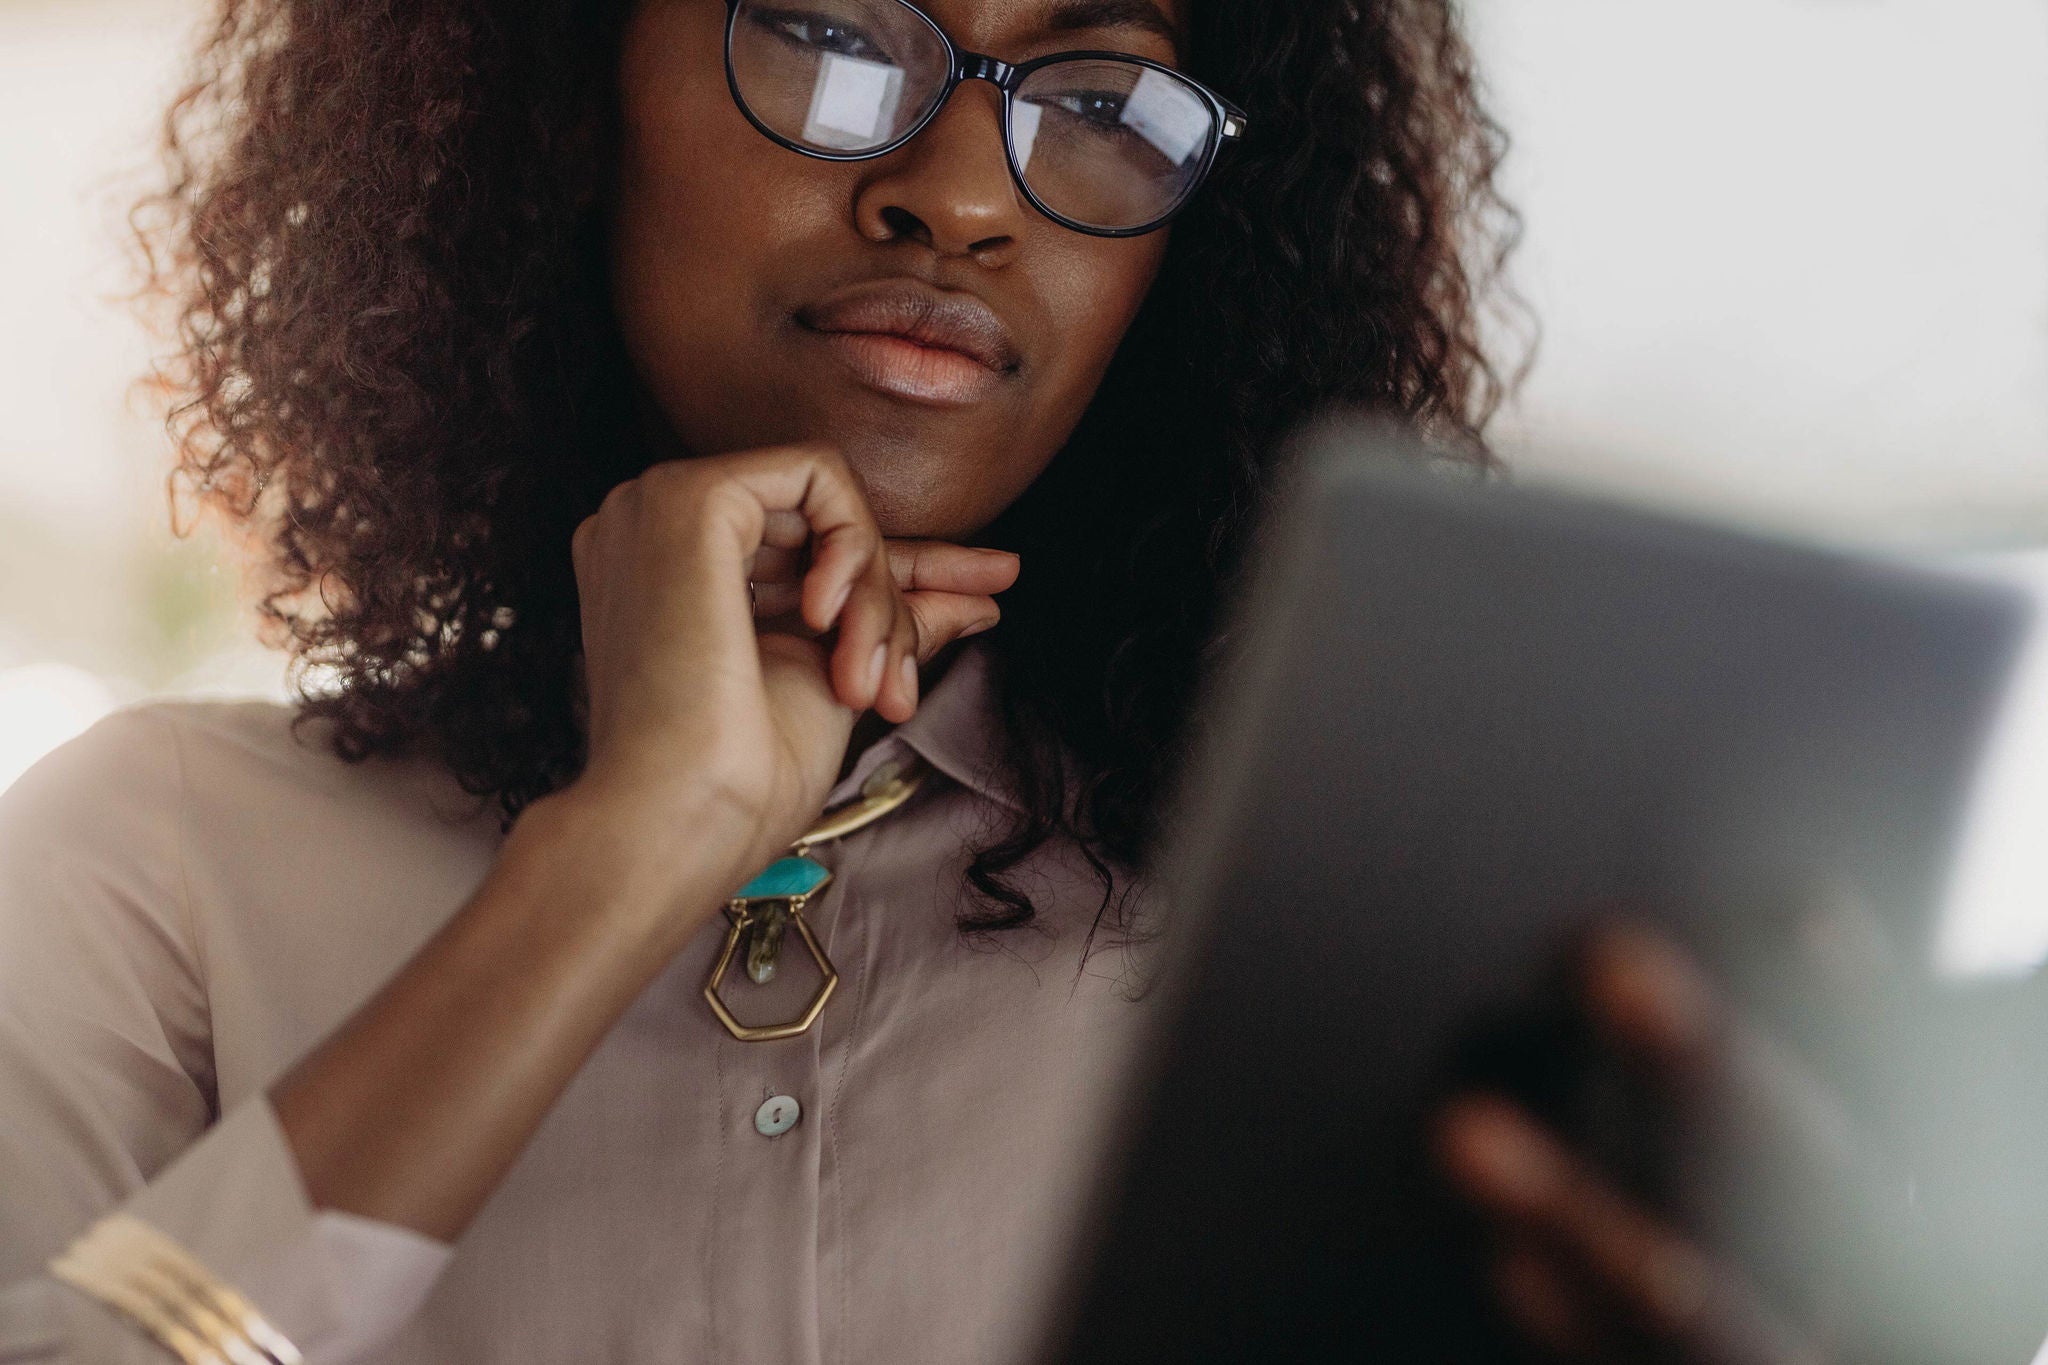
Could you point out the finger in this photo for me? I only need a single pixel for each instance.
(941, 566)
(815, 485)
(941, 618)
(897, 700)
(847, 585)
(1523, 1175)
(1651, 999)
(1666, 1286)
(861, 658)
(758, 492)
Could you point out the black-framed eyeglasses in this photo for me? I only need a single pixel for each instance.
(1102, 142)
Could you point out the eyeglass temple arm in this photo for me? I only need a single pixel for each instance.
(1234, 118)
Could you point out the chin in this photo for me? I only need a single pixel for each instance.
(915, 492)
(911, 514)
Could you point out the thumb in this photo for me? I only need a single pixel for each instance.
(943, 617)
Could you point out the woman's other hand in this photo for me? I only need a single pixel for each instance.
(689, 701)
(1590, 1273)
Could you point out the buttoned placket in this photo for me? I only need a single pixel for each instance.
(776, 1202)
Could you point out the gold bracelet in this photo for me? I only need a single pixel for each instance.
(155, 1283)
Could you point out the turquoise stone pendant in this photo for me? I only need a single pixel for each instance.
(785, 879)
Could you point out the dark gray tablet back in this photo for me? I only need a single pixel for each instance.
(1459, 717)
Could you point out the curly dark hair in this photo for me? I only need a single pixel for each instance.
(381, 241)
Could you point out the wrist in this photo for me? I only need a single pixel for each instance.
(657, 869)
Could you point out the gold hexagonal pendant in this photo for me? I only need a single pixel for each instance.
(758, 923)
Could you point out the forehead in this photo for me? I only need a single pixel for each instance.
(993, 25)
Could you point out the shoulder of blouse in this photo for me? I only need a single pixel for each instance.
(108, 1096)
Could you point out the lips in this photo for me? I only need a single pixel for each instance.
(912, 341)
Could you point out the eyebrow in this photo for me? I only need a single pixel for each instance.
(1069, 15)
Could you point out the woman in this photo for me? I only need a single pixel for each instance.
(637, 406)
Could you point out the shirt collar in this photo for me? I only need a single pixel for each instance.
(956, 730)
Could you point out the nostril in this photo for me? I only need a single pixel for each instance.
(902, 223)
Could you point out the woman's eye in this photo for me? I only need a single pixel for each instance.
(821, 33)
(1097, 110)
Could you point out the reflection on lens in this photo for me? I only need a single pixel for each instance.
(837, 75)
(1110, 144)
(1105, 144)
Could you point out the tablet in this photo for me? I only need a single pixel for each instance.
(1460, 717)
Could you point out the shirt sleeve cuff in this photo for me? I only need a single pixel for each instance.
(338, 1286)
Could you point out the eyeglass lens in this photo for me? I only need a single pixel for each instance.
(1105, 144)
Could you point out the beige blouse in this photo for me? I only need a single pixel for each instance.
(190, 898)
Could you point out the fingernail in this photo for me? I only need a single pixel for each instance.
(838, 601)
(909, 671)
(1010, 559)
(986, 623)
(873, 682)
(1495, 1150)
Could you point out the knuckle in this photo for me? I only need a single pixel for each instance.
(919, 561)
(831, 467)
(712, 487)
(675, 481)
(686, 497)
(823, 454)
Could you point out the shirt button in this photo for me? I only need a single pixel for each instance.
(777, 1115)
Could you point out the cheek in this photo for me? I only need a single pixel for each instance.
(1094, 288)
(697, 213)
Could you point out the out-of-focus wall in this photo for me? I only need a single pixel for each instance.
(1791, 258)
(99, 604)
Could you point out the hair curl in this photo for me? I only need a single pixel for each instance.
(396, 371)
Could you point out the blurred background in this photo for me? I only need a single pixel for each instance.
(1790, 258)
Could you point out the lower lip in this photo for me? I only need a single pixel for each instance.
(904, 369)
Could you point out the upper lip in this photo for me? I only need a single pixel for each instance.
(918, 313)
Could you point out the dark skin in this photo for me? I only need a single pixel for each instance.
(722, 240)
(1590, 1274)
(845, 504)
(723, 237)
(1812, 1227)
(714, 738)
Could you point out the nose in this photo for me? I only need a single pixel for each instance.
(949, 188)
